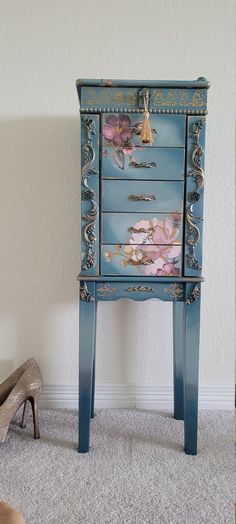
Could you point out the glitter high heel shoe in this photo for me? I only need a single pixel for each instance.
(23, 385)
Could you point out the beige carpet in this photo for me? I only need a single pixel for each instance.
(135, 473)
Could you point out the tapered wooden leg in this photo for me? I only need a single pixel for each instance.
(94, 365)
(191, 365)
(178, 359)
(86, 354)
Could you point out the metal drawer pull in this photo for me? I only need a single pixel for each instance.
(146, 198)
(142, 289)
(140, 230)
(142, 165)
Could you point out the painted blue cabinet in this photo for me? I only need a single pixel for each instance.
(142, 182)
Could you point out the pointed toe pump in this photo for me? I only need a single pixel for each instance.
(22, 387)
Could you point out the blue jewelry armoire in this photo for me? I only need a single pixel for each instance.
(142, 183)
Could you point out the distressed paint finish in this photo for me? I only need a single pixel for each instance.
(194, 196)
(89, 195)
(143, 208)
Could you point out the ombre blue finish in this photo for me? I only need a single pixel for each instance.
(186, 348)
(191, 369)
(94, 362)
(168, 197)
(178, 359)
(87, 331)
(168, 164)
(168, 130)
(160, 170)
(115, 226)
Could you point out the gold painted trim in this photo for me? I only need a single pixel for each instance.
(115, 96)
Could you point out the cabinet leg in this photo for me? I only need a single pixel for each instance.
(86, 353)
(94, 364)
(191, 365)
(178, 359)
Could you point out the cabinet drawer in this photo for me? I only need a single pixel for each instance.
(151, 163)
(141, 228)
(123, 130)
(141, 260)
(142, 196)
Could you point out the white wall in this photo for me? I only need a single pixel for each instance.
(45, 47)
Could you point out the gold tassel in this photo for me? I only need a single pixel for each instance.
(146, 131)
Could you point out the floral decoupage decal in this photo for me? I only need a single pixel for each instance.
(152, 247)
(118, 131)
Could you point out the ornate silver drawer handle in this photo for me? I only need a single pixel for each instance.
(138, 289)
(142, 165)
(140, 230)
(146, 198)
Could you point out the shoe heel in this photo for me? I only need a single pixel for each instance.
(34, 404)
(25, 414)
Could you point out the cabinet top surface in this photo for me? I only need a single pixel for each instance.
(201, 82)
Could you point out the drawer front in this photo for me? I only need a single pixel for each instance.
(141, 228)
(151, 163)
(141, 260)
(142, 196)
(123, 130)
(139, 291)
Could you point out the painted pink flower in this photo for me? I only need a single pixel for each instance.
(158, 257)
(168, 270)
(117, 129)
(164, 232)
(169, 251)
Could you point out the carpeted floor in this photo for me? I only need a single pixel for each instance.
(135, 473)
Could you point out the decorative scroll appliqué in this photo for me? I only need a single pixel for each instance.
(88, 193)
(194, 295)
(193, 197)
(85, 295)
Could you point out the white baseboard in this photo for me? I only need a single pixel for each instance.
(135, 396)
